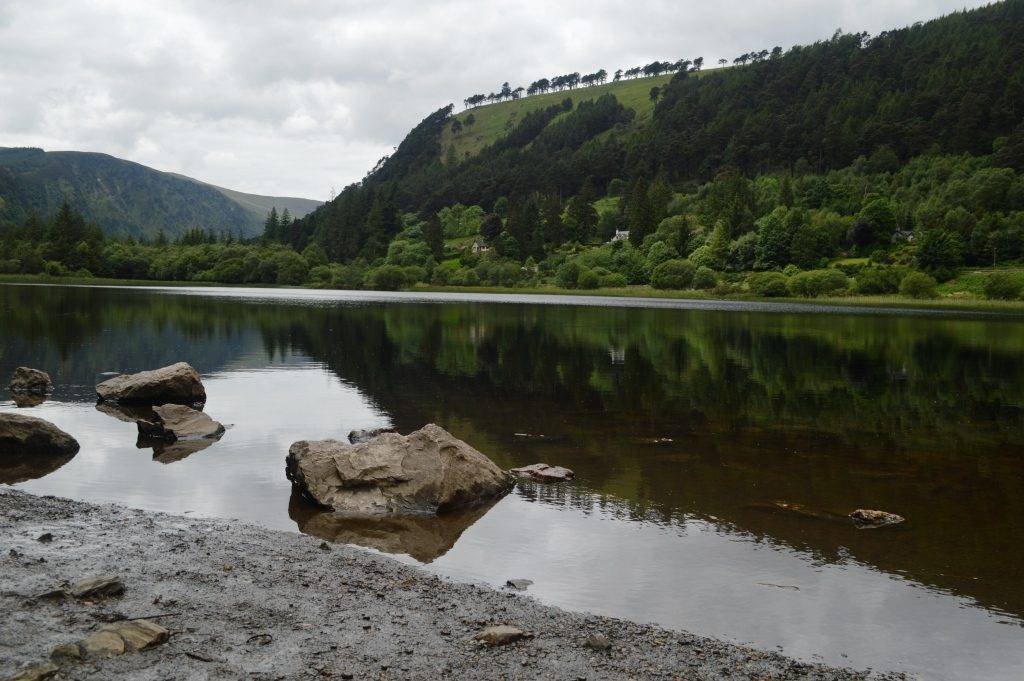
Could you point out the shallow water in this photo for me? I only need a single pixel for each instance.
(684, 421)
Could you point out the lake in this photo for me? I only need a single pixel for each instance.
(686, 423)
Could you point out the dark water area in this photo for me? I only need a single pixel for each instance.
(686, 422)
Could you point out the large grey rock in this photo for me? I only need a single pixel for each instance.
(428, 471)
(177, 384)
(28, 381)
(178, 422)
(20, 435)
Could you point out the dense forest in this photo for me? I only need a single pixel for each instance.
(860, 164)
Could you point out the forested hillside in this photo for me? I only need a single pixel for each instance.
(125, 198)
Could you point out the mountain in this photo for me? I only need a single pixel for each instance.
(127, 198)
(953, 85)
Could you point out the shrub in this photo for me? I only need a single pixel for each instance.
(52, 268)
(386, 278)
(613, 280)
(83, 273)
(704, 278)
(918, 285)
(768, 284)
(588, 279)
(1002, 286)
(815, 283)
(568, 275)
(673, 274)
(878, 280)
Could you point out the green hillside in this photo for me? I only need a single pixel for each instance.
(493, 121)
(126, 198)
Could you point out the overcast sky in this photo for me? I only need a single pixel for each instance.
(298, 97)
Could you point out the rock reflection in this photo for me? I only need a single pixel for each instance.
(425, 538)
(17, 467)
(27, 400)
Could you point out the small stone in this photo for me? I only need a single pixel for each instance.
(104, 643)
(67, 651)
(598, 642)
(867, 518)
(501, 635)
(99, 586)
(542, 472)
(52, 595)
(324, 546)
(140, 634)
(518, 584)
(45, 538)
(36, 673)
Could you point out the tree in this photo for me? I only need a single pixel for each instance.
(772, 250)
(580, 220)
(939, 253)
(491, 228)
(433, 235)
(640, 216)
(272, 226)
(456, 126)
(551, 217)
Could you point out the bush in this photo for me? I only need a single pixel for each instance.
(386, 278)
(52, 268)
(613, 280)
(673, 274)
(568, 275)
(817, 283)
(878, 280)
(918, 285)
(83, 273)
(704, 278)
(588, 279)
(768, 284)
(1002, 286)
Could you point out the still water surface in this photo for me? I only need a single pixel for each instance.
(684, 422)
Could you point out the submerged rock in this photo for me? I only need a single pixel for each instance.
(542, 472)
(366, 434)
(868, 518)
(178, 384)
(178, 422)
(28, 381)
(20, 435)
(427, 471)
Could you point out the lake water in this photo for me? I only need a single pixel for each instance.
(684, 421)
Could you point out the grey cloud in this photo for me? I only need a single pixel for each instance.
(298, 97)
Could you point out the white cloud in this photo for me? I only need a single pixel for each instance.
(294, 98)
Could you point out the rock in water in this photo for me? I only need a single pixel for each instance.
(867, 518)
(501, 635)
(357, 436)
(28, 435)
(178, 422)
(177, 384)
(542, 472)
(428, 471)
(28, 381)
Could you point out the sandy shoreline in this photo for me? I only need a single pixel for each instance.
(246, 602)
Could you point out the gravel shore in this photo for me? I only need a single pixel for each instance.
(244, 602)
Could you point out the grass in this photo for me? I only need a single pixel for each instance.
(493, 121)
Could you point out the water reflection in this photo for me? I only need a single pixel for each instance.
(683, 426)
(422, 537)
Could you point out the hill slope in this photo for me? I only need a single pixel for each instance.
(258, 206)
(123, 197)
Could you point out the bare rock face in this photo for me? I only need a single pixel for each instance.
(867, 518)
(178, 422)
(428, 471)
(542, 472)
(20, 435)
(175, 384)
(28, 381)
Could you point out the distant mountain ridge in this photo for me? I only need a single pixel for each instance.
(127, 198)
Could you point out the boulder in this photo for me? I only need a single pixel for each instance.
(428, 471)
(28, 381)
(176, 384)
(365, 435)
(867, 518)
(542, 472)
(177, 422)
(20, 435)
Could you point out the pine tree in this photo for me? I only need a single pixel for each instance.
(271, 226)
(551, 216)
(639, 214)
(433, 234)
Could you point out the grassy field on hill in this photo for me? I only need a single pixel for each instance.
(494, 120)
